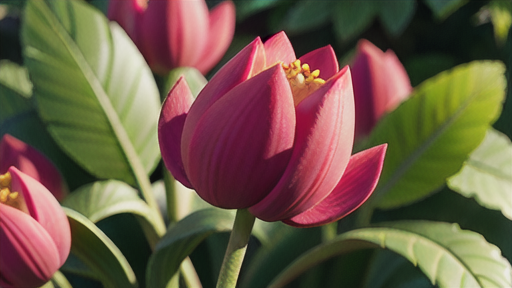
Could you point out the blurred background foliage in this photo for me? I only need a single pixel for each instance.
(428, 36)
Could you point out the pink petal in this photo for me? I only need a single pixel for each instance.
(380, 84)
(278, 48)
(323, 59)
(356, 185)
(29, 255)
(249, 61)
(127, 13)
(45, 209)
(14, 152)
(174, 33)
(170, 128)
(222, 29)
(323, 144)
(398, 84)
(242, 145)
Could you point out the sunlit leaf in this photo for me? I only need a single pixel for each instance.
(19, 118)
(487, 174)
(93, 88)
(99, 253)
(101, 200)
(431, 134)
(449, 257)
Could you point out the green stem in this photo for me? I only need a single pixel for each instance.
(235, 252)
(365, 213)
(329, 231)
(170, 196)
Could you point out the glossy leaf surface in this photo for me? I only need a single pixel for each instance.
(432, 133)
(449, 257)
(93, 88)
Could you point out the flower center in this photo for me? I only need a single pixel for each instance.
(7, 196)
(302, 81)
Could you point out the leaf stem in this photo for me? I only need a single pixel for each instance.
(235, 252)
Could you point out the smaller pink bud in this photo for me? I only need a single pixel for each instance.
(14, 152)
(380, 84)
(35, 237)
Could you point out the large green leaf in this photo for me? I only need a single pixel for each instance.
(181, 239)
(431, 134)
(299, 20)
(103, 199)
(92, 247)
(396, 15)
(487, 174)
(93, 88)
(350, 18)
(449, 257)
(18, 117)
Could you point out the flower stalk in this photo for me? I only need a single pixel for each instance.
(237, 246)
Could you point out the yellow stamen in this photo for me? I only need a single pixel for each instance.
(302, 81)
(6, 195)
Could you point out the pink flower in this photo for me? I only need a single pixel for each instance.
(14, 152)
(177, 33)
(380, 85)
(271, 136)
(35, 237)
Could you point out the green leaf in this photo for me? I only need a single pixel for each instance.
(449, 257)
(93, 89)
(431, 134)
(389, 270)
(181, 239)
(103, 199)
(396, 15)
(487, 174)
(443, 9)
(98, 252)
(299, 20)
(18, 117)
(351, 18)
(501, 18)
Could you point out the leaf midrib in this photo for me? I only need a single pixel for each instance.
(417, 153)
(110, 113)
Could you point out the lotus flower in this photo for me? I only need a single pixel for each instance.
(14, 152)
(271, 133)
(380, 85)
(35, 237)
(177, 33)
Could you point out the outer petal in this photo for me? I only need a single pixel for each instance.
(399, 86)
(323, 59)
(14, 152)
(45, 209)
(356, 185)
(278, 48)
(29, 255)
(222, 29)
(248, 62)
(170, 128)
(323, 144)
(128, 14)
(380, 84)
(243, 143)
(174, 33)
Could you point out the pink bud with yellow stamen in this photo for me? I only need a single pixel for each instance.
(35, 237)
(380, 85)
(14, 152)
(271, 133)
(177, 33)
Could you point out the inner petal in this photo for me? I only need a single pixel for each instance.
(302, 80)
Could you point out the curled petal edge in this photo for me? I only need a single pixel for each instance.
(355, 187)
(170, 128)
